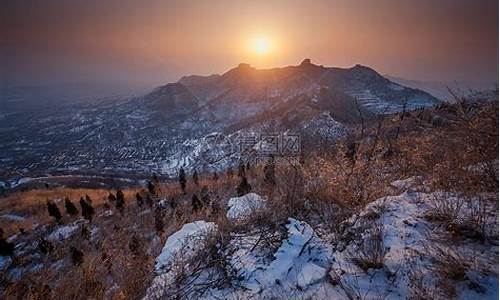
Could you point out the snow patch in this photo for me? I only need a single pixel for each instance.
(12, 217)
(63, 232)
(242, 207)
(183, 244)
(301, 261)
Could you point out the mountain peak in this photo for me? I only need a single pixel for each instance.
(244, 66)
(306, 62)
(243, 69)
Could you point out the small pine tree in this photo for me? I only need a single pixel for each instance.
(149, 200)
(244, 187)
(182, 180)
(76, 256)
(205, 195)
(241, 170)
(195, 177)
(45, 246)
(196, 203)
(248, 166)
(156, 181)
(85, 233)
(139, 199)
(155, 178)
(173, 203)
(159, 224)
(6, 248)
(269, 176)
(70, 207)
(350, 151)
(215, 177)
(215, 205)
(151, 188)
(135, 245)
(54, 211)
(87, 209)
(120, 200)
(111, 197)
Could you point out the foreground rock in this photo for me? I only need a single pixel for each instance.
(242, 207)
(388, 250)
(183, 244)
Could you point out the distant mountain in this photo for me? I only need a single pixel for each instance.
(245, 91)
(307, 99)
(172, 99)
(441, 89)
(199, 121)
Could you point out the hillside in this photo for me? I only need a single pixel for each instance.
(402, 205)
(131, 138)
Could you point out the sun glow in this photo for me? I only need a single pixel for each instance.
(261, 45)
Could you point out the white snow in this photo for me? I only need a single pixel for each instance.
(20, 181)
(297, 266)
(13, 217)
(300, 261)
(63, 232)
(395, 86)
(178, 249)
(183, 244)
(5, 262)
(306, 265)
(405, 236)
(242, 207)
(324, 126)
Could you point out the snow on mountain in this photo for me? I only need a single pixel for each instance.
(324, 127)
(149, 134)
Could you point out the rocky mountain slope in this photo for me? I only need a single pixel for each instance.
(166, 128)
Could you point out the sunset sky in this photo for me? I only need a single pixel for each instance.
(151, 42)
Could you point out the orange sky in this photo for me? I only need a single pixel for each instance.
(159, 41)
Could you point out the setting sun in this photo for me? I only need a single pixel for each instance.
(261, 45)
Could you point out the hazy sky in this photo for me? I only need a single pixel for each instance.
(51, 41)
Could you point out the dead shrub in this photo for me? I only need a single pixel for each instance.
(193, 275)
(446, 207)
(477, 220)
(371, 252)
(447, 262)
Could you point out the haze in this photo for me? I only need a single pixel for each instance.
(153, 42)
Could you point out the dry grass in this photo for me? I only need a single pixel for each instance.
(371, 252)
(328, 187)
(31, 205)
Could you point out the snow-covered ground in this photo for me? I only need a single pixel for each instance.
(63, 232)
(183, 244)
(318, 265)
(242, 207)
(12, 217)
(301, 261)
(179, 249)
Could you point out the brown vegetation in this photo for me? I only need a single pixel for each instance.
(451, 147)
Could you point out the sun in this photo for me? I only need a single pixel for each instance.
(261, 45)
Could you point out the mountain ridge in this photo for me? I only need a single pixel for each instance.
(184, 122)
